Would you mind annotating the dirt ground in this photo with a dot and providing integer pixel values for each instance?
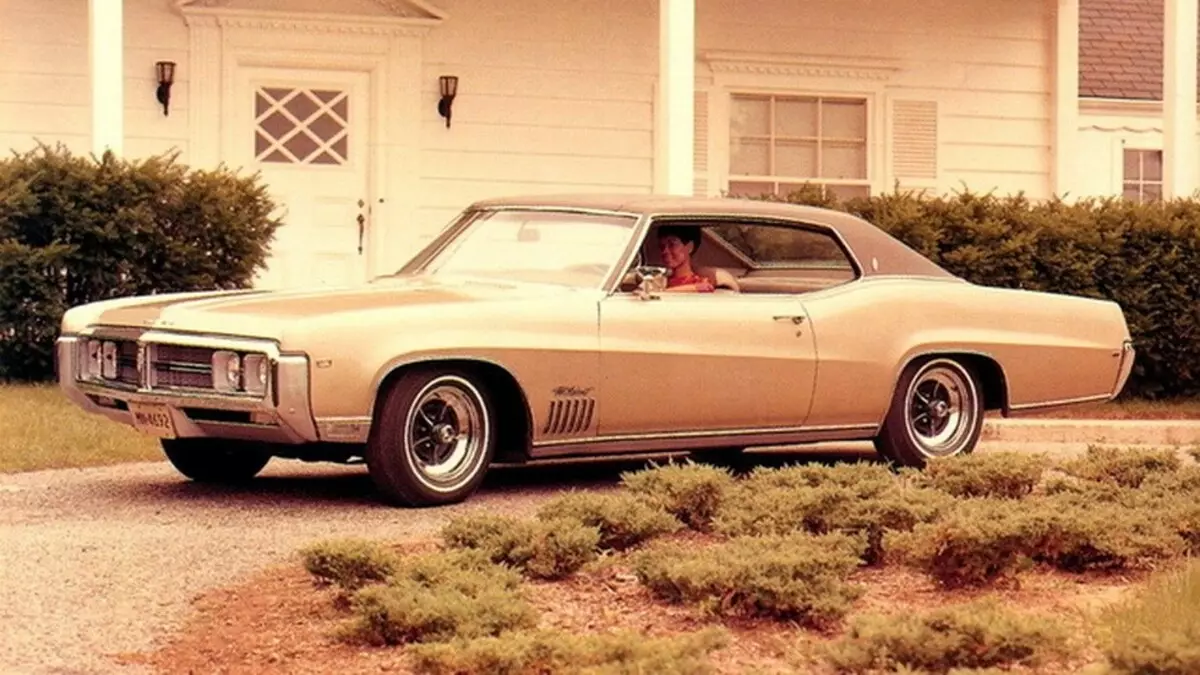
(281, 621)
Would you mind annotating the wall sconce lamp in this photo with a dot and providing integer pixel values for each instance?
(449, 86)
(166, 77)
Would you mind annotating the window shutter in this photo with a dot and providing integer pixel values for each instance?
(700, 145)
(915, 142)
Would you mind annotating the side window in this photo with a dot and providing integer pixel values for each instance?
(1143, 177)
(775, 246)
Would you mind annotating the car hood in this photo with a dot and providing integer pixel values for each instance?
(268, 314)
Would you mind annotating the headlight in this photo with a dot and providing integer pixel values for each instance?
(255, 368)
(93, 364)
(226, 371)
(108, 369)
(99, 360)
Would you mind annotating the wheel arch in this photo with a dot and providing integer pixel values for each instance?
(514, 423)
(991, 375)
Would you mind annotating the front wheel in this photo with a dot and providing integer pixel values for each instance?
(433, 440)
(213, 460)
(936, 412)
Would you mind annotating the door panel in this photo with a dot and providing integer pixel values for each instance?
(307, 132)
(704, 362)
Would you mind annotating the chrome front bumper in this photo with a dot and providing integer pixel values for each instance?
(282, 415)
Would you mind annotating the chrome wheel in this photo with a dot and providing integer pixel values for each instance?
(942, 407)
(446, 434)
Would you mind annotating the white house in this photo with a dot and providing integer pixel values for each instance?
(338, 104)
(1126, 71)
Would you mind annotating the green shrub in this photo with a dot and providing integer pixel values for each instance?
(763, 505)
(978, 634)
(349, 563)
(1110, 536)
(691, 492)
(439, 597)
(866, 478)
(1008, 475)
(979, 541)
(1111, 248)
(74, 230)
(797, 577)
(983, 540)
(623, 519)
(1157, 630)
(1126, 467)
(543, 549)
(547, 651)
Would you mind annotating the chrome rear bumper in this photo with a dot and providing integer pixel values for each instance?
(1125, 367)
(282, 415)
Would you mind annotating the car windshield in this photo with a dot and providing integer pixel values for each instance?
(562, 248)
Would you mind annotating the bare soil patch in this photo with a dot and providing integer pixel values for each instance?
(281, 621)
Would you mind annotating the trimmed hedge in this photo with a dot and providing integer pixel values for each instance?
(1140, 255)
(75, 230)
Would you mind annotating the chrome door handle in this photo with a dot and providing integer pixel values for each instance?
(794, 318)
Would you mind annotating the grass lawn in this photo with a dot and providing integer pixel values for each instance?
(41, 429)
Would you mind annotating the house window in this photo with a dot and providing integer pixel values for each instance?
(779, 143)
(301, 126)
(1143, 175)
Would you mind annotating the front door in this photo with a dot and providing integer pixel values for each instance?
(307, 132)
(704, 362)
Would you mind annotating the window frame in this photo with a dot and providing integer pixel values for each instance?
(819, 96)
(739, 72)
(1123, 179)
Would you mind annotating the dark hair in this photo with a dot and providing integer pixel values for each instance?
(685, 233)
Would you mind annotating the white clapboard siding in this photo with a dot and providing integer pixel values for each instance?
(701, 166)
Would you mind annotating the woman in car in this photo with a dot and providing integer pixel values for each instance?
(676, 245)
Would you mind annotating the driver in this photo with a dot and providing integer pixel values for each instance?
(676, 245)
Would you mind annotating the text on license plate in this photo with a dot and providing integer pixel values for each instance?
(153, 418)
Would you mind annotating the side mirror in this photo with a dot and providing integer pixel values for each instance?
(651, 280)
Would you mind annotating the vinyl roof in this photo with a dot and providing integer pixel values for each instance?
(878, 253)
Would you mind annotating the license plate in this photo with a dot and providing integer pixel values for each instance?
(153, 418)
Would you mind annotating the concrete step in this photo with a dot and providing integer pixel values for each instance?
(1107, 432)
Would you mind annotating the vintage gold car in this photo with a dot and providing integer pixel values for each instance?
(540, 327)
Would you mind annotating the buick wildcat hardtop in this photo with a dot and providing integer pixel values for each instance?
(537, 327)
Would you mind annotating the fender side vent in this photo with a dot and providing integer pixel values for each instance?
(569, 416)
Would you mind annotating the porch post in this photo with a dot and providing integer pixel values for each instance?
(1179, 98)
(676, 97)
(1066, 96)
(106, 47)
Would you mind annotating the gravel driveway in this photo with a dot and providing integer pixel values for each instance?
(102, 561)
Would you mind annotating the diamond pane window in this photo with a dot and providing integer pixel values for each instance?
(301, 126)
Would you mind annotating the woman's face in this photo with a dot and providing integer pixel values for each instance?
(673, 251)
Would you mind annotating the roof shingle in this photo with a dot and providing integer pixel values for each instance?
(1121, 49)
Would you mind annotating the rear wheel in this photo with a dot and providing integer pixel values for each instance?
(936, 412)
(433, 439)
(213, 460)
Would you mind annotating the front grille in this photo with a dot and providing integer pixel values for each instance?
(178, 367)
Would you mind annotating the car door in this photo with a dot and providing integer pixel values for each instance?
(704, 362)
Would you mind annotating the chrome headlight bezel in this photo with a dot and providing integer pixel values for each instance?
(226, 371)
(98, 360)
(256, 374)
